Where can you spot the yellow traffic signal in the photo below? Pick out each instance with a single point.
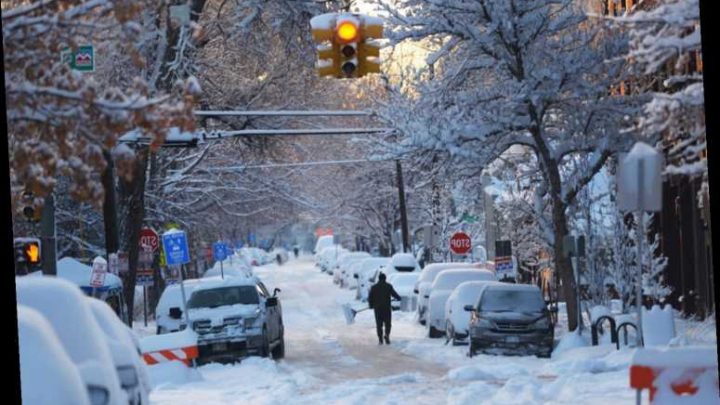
(343, 49)
(347, 32)
(32, 253)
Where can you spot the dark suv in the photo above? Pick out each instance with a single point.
(512, 319)
(235, 318)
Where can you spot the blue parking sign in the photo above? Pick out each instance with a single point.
(176, 248)
(220, 251)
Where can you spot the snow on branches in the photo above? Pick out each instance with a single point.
(60, 121)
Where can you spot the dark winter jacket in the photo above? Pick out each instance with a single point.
(381, 294)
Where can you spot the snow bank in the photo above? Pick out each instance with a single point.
(597, 312)
(692, 356)
(571, 340)
(658, 326)
(471, 394)
(175, 340)
(487, 370)
(172, 373)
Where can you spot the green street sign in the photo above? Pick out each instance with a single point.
(82, 60)
(469, 219)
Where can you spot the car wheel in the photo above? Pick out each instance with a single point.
(434, 333)
(279, 350)
(265, 348)
(472, 348)
(159, 330)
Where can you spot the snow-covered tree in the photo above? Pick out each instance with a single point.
(532, 73)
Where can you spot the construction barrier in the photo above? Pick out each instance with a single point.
(674, 374)
(185, 354)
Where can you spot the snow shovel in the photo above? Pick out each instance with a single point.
(350, 313)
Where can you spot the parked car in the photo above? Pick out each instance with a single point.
(65, 307)
(457, 320)
(236, 317)
(47, 373)
(343, 264)
(323, 242)
(329, 256)
(440, 290)
(168, 313)
(349, 279)
(427, 276)
(403, 284)
(511, 318)
(366, 270)
(404, 262)
(127, 357)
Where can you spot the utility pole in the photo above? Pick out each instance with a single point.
(48, 237)
(403, 210)
(112, 243)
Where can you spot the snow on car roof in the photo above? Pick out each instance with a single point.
(47, 374)
(227, 282)
(449, 279)
(73, 270)
(403, 260)
(431, 270)
(470, 290)
(515, 287)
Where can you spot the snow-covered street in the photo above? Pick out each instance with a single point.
(328, 361)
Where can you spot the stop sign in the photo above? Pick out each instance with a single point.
(460, 243)
(149, 240)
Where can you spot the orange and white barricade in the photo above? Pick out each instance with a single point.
(178, 346)
(682, 375)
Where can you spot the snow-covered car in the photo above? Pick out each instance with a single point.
(440, 290)
(328, 257)
(403, 284)
(366, 270)
(236, 317)
(127, 357)
(349, 279)
(47, 373)
(343, 264)
(323, 242)
(427, 276)
(404, 262)
(457, 319)
(511, 318)
(168, 313)
(257, 256)
(65, 307)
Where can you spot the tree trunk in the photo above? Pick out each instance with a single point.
(133, 197)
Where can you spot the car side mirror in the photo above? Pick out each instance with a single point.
(175, 313)
(416, 291)
(355, 276)
(271, 302)
(276, 291)
(469, 308)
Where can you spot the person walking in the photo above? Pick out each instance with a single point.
(379, 300)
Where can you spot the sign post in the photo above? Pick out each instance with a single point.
(176, 251)
(639, 181)
(99, 271)
(220, 253)
(503, 259)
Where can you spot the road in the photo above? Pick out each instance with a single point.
(328, 361)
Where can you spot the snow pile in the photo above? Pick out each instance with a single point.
(571, 340)
(658, 326)
(172, 373)
(487, 371)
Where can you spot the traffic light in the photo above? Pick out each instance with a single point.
(345, 44)
(28, 255)
(30, 212)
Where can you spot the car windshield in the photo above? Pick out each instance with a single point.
(512, 301)
(218, 297)
(449, 281)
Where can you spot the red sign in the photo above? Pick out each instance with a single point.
(323, 232)
(460, 243)
(149, 240)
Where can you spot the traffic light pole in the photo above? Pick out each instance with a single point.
(403, 211)
(48, 237)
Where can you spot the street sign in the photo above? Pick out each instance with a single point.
(99, 271)
(82, 60)
(113, 263)
(149, 240)
(460, 243)
(176, 248)
(220, 251)
(469, 219)
(503, 259)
